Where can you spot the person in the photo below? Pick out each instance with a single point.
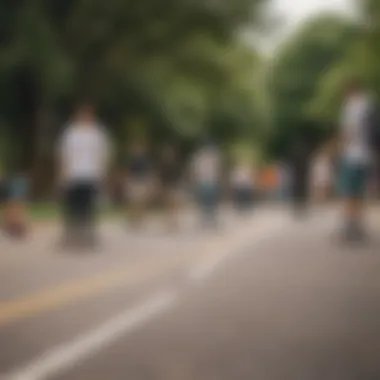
(83, 157)
(356, 157)
(138, 174)
(284, 181)
(15, 209)
(4, 198)
(242, 185)
(300, 177)
(321, 176)
(170, 177)
(206, 169)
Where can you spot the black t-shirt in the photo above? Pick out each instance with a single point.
(138, 166)
(170, 172)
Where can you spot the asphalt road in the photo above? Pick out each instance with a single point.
(265, 297)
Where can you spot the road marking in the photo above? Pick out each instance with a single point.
(133, 274)
(70, 354)
(202, 271)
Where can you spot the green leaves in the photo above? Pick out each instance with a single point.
(306, 77)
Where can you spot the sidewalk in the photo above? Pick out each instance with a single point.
(28, 266)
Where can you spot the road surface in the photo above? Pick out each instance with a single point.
(265, 297)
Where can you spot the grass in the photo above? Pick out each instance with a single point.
(49, 211)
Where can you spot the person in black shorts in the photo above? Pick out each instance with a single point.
(84, 160)
(16, 207)
(138, 179)
(300, 182)
(170, 177)
(3, 200)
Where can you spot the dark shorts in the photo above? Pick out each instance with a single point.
(353, 179)
(4, 192)
(243, 196)
(207, 195)
(79, 202)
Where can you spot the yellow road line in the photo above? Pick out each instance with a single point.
(59, 296)
(130, 275)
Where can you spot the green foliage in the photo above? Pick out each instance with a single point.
(298, 73)
(177, 63)
(361, 59)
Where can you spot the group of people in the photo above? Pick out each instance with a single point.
(85, 157)
(348, 165)
(85, 161)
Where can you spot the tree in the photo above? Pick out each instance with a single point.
(55, 52)
(295, 77)
(361, 59)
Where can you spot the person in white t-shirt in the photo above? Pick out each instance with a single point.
(242, 185)
(356, 156)
(206, 172)
(83, 156)
(322, 176)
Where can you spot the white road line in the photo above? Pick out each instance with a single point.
(70, 354)
(254, 235)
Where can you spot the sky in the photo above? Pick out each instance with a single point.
(294, 12)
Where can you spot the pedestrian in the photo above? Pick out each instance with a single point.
(242, 183)
(84, 154)
(4, 198)
(170, 178)
(16, 208)
(322, 176)
(285, 181)
(300, 177)
(206, 171)
(356, 157)
(138, 174)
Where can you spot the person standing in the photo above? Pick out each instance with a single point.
(138, 174)
(242, 183)
(16, 208)
(322, 176)
(170, 177)
(206, 170)
(84, 157)
(356, 156)
(300, 177)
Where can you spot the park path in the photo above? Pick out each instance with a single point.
(266, 297)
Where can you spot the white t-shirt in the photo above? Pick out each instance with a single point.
(322, 172)
(353, 124)
(242, 176)
(207, 165)
(84, 152)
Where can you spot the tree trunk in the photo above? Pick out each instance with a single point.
(43, 165)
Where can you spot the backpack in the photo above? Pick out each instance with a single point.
(373, 126)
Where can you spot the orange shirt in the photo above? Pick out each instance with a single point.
(268, 178)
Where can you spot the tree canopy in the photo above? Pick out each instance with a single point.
(299, 72)
(179, 65)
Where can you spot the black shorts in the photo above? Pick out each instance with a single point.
(79, 201)
(4, 192)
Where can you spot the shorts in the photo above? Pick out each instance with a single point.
(138, 191)
(353, 179)
(171, 191)
(19, 189)
(243, 196)
(207, 195)
(4, 192)
(80, 202)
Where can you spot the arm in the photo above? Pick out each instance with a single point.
(61, 158)
(345, 130)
